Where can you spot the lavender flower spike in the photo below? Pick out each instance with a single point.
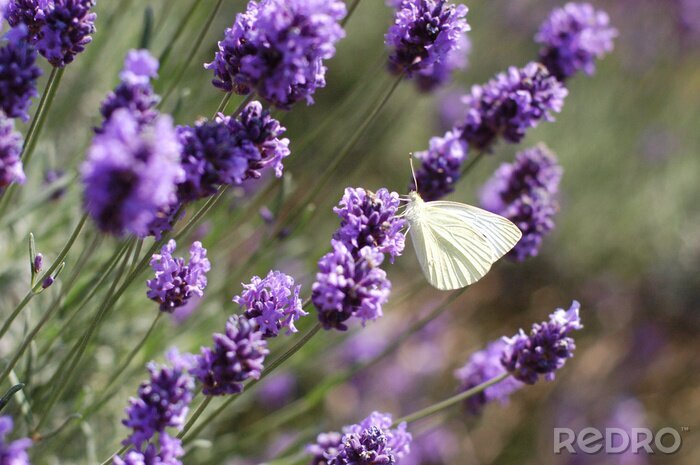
(10, 150)
(175, 281)
(237, 356)
(273, 302)
(481, 367)
(15, 452)
(525, 192)
(573, 37)
(131, 173)
(346, 287)
(18, 74)
(162, 401)
(441, 166)
(424, 34)
(510, 104)
(277, 48)
(545, 349)
(168, 453)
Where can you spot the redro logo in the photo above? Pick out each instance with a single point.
(617, 441)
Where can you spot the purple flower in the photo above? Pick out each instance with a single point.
(135, 92)
(525, 192)
(276, 49)
(60, 29)
(162, 402)
(237, 356)
(10, 150)
(438, 74)
(369, 219)
(510, 104)
(441, 165)
(348, 287)
(481, 367)
(371, 442)
(15, 452)
(228, 151)
(18, 74)
(424, 34)
(131, 173)
(169, 454)
(545, 349)
(273, 302)
(573, 37)
(175, 281)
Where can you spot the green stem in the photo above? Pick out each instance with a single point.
(40, 116)
(456, 399)
(193, 51)
(351, 10)
(178, 32)
(472, 163)
(223, 104)
(268, 370)
(37, 287)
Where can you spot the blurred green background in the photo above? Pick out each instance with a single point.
(626, 244)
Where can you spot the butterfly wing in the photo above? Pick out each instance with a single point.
(500, 232)
(452, 253)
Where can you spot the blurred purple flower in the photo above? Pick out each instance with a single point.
(439, 446)
(51, 176)
(276, 49)
(278, 389)
(228, 151)
(510, 104)
(175, 281)
(441, 166)
(237, 356)
(573, 37)
(15, 452)
(525, 192)
(545, 349)
(440, 73)
(424, 35)
(18, 74)
(168, 453)
(273, 302)
(369, 219)
(481, 367)
(135, 92)
(131, 173)
(10, 150)
(451, 108)
(60, 29)
(346, 287)
(162, 402)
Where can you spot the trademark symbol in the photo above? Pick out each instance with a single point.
(685, 429)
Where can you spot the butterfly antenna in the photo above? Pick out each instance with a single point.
(413, 171)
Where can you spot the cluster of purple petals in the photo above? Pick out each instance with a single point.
(135, 92)
(175, 281)
(369, 219)
(439, 74)
(424, 35)
(162, 402)
(543, 350)
(18, 74)
(237, 355)
(441, 166)
(525, 192)
(481, 367)
(272, 302)
(510, 104)
(276, 48)
(168, 452)
(573, 37)
(10, 151)
(60, 29)
(371, 442)
(349, 285)
(15, 452)
(228, 151)
(131, 173)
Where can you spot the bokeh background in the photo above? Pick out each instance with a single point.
(626, 244)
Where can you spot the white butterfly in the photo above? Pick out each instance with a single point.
(456, 243)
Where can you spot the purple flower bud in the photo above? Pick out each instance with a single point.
(169, 454)
(38, 263)
(277, 48)
(573, 37)
(441, 166)
(18, 74)
(15, 452)
(545, 349)
(47, 282)
(10, 150)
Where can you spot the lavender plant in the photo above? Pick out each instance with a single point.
(143, 173)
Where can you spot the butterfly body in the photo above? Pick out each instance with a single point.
(457, 244)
